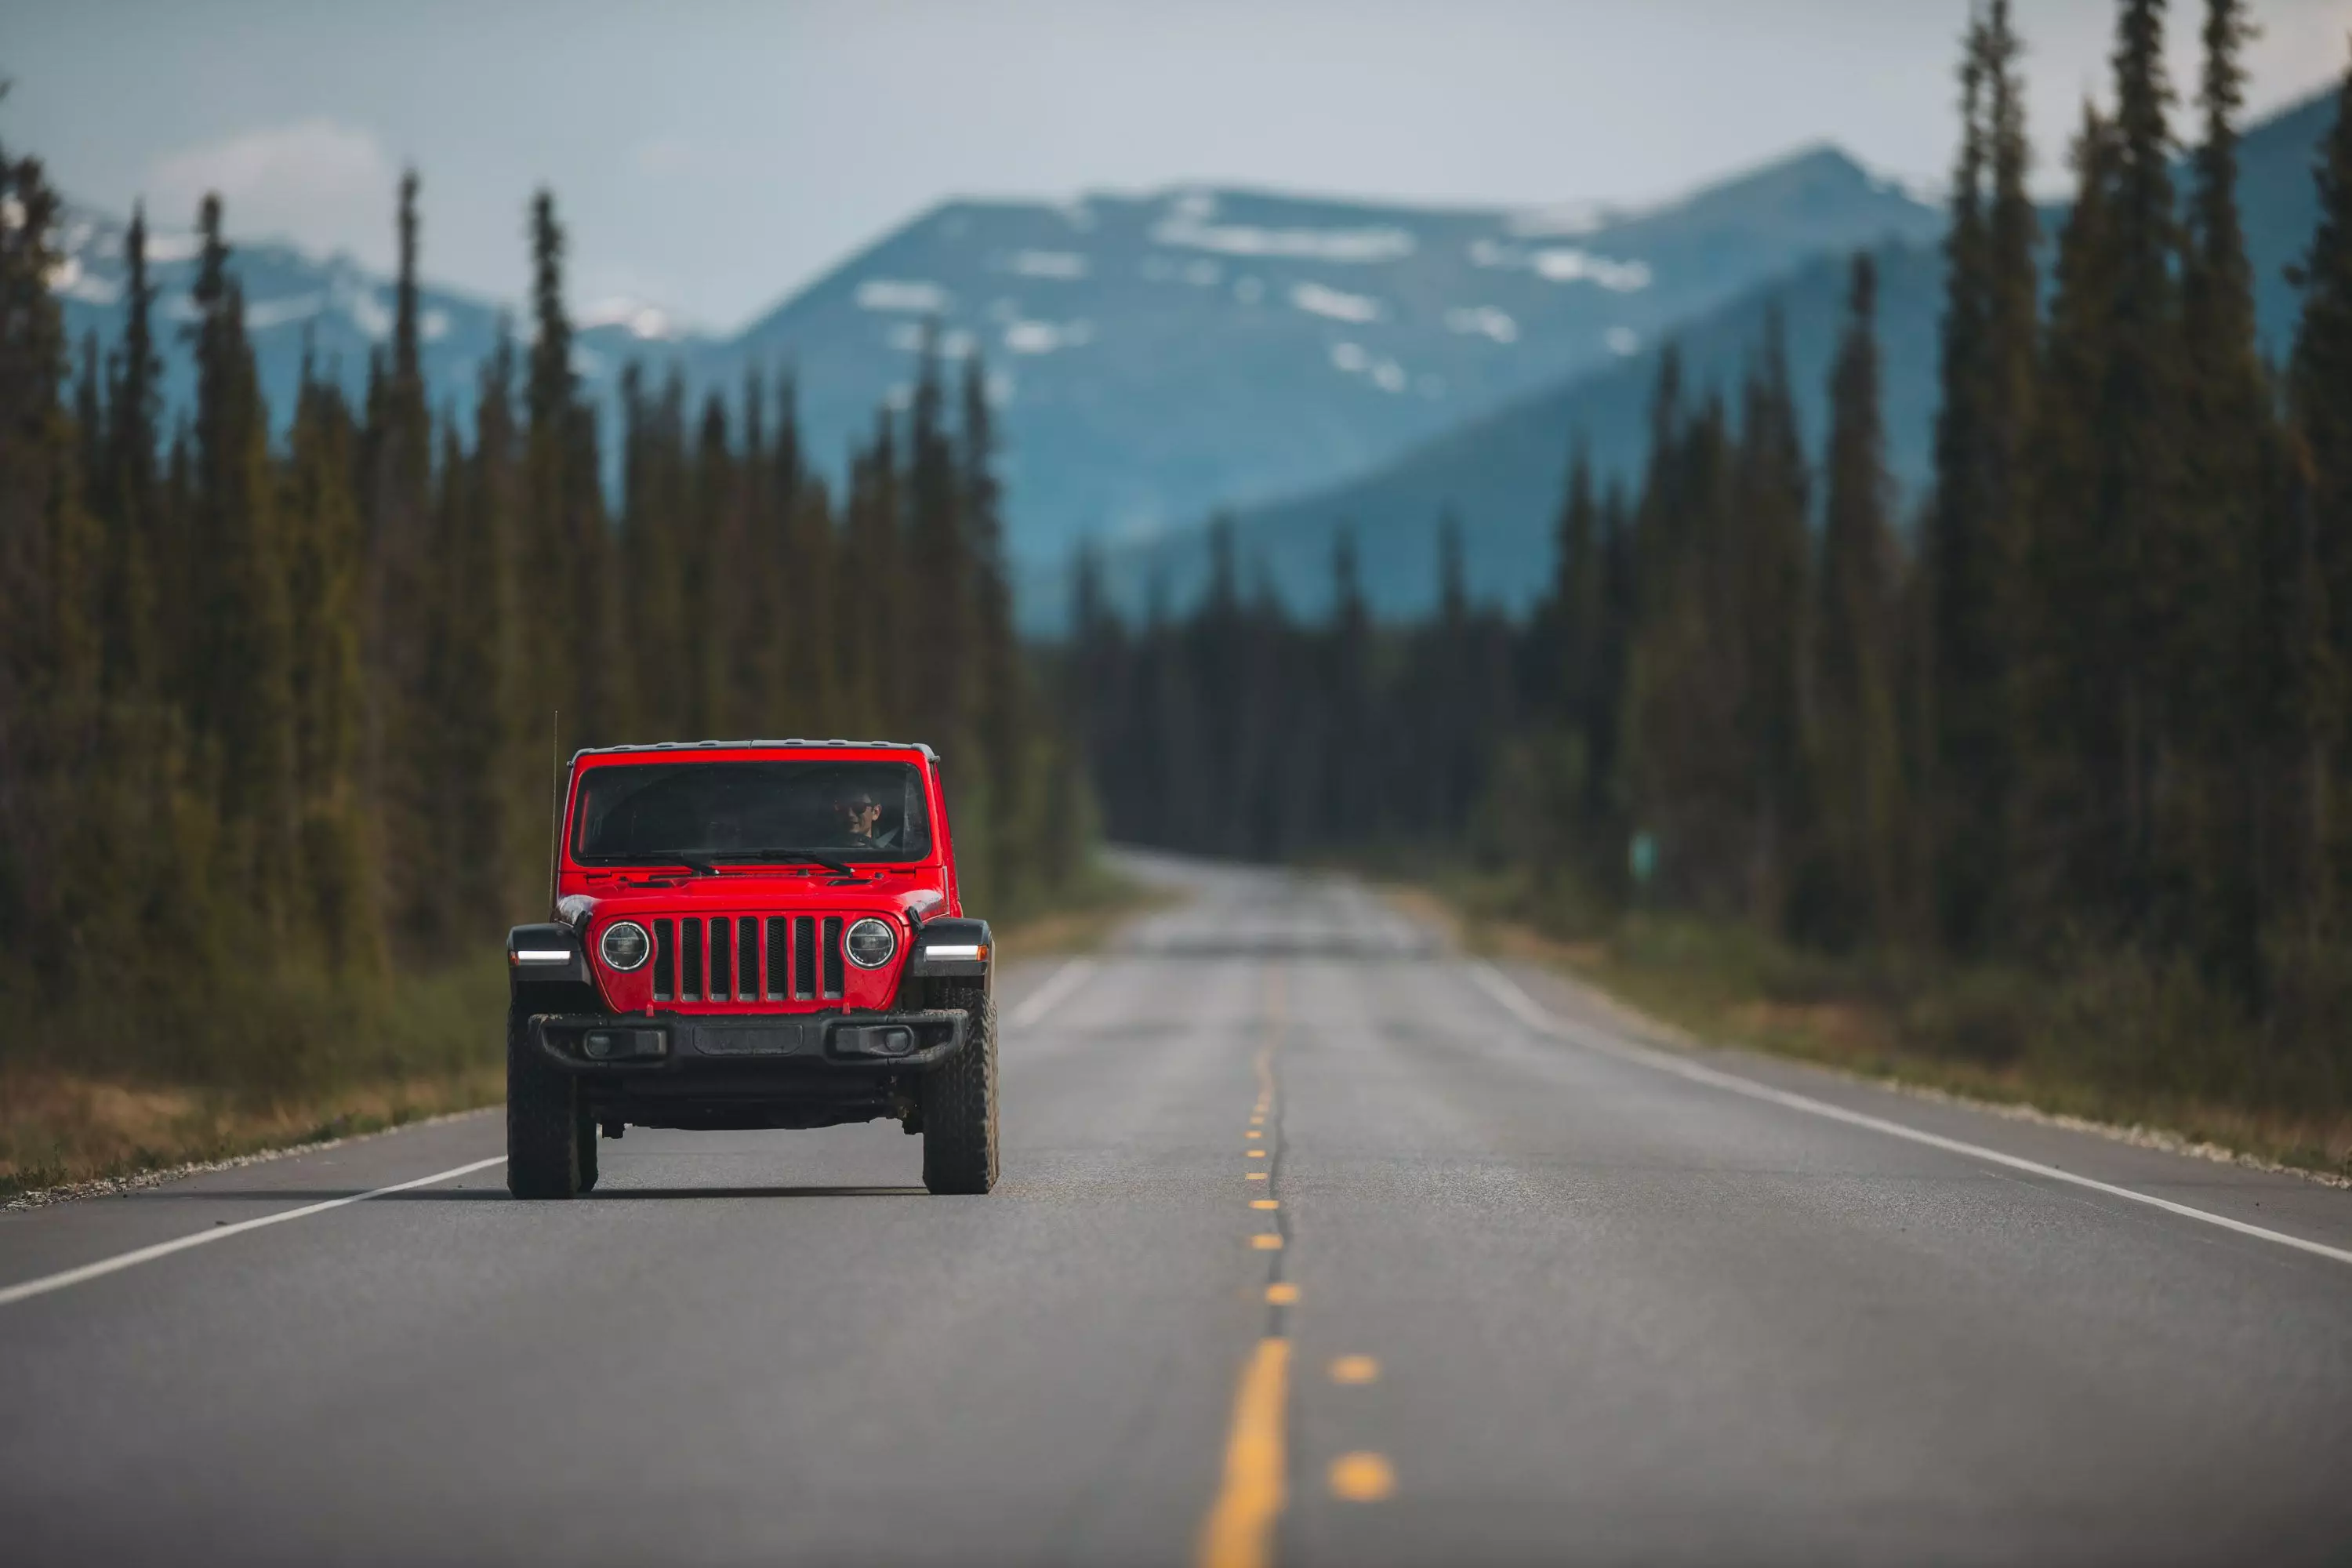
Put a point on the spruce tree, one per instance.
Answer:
(937, 569)
(1967, 641)
(2064, 862)
(2320, 371)
(1351, 795)
(2139, 442)
(239, 682)
(2232, 473)
(1770, 568)
(2312, 577)
(396, 613)
(1852, 889)
(133, 421)
(323, 566)
(813, 653)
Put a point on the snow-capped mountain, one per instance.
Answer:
(1156, 356)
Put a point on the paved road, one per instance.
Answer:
(1540, 1297)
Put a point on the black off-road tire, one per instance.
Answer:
(959, 1104)
(542, 1119)
(588, 1135)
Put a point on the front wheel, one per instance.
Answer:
(543, 1119)
(959, 1105)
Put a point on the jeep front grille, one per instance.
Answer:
(717, 959)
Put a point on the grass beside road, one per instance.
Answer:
(111, 1088)
(2109, 1039)
(108, 1089)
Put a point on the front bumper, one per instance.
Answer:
(604, 1045)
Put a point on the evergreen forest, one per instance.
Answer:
(281, 723)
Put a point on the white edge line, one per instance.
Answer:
(1050, 996)
(105, 1265)
(1520, 1006)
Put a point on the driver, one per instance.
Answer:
(856, 817)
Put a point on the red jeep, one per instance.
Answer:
(751, 933)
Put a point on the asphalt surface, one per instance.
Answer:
(1540, 1296)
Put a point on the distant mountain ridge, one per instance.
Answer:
(1153, 355)
(1502, 473)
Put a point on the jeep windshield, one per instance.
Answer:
(749, 813)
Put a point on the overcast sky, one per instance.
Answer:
(711, 158)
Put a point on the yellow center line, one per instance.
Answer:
(1361, 1478)
(1239, 1530)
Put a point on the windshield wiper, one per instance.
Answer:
(793, 857)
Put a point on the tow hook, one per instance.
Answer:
(909, 1110)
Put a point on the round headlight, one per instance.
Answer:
(625, 945)
(870, 944)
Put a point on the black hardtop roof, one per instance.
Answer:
(659, 746)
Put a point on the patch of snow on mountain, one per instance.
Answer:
(641, 319)
(1354, 359)
(1563, 264)
(1187, 224)
(1570, 265)
(901, 294)
(360, 303)
(1046, 337)
(1483, 321)
(1621, 341)
(908, 338)
(433, 325)
(167, 245)
(1062, 264)
(69, 278)
(1336, 303)
(264, 314)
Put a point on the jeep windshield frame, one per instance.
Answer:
(751, 811)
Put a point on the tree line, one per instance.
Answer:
(290, 707)
(2089, 696)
